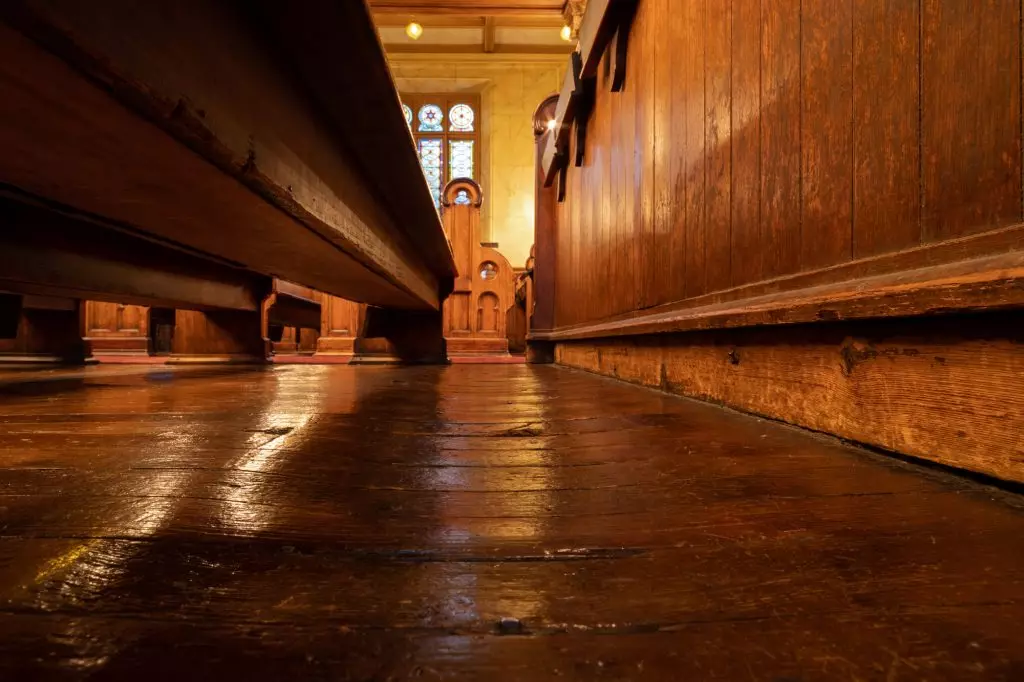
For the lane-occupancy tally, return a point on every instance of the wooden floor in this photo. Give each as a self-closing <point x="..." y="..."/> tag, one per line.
<point x="480" y="523"/>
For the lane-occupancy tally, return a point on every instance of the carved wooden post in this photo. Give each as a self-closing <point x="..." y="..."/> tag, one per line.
<point x="474" y="314"/>
<point x="542" y="315"/>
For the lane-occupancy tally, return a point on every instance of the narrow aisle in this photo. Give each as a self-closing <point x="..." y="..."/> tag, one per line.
<point x="476" y="522"/>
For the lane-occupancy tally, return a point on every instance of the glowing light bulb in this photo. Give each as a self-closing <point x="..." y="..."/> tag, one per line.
<point x="551" y="124"/>
<point x="566" y="33"/>
<point x="414" y="30"/>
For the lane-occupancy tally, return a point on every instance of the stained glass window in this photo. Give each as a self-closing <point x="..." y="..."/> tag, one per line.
<point x="430" y="119"/>
<point x="430" y="160"/>
<point x="460" y="158"/>
<point x="461" y="117"/>
<point x="446" y="132"/>
<point x="462" y="198"/>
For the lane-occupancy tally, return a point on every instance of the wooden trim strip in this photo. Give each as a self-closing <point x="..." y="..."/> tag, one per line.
<point x="983" y="272"/>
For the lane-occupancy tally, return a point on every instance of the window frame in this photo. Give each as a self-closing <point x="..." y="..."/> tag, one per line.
<point x="446" y="100"/>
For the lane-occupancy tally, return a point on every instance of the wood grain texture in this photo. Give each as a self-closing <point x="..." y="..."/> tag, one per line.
<point x="718" y="144"/>
<point x="664" y="185"/>
<point x="760" y="139"/>
<point x="677" y="178"/>
<point x="513" y="523"/>
<point x="886" y="126"/>
<point x="50" y="336"/>
<point x="746" y="142"/>
<point x="935" y="390"/>
<point x="115" y="328"/>
<point x="780" y="137"/>
<point x="971" y="116"/>
<point x="694" y="282"/>
<point x="826" y="133"/>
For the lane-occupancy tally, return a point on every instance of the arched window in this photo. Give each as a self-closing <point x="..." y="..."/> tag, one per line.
<point x="446" y="128"/>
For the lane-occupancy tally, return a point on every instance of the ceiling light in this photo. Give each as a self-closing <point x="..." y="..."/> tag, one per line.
<point x="414" y="30"/>
<point x="566" y="33"/>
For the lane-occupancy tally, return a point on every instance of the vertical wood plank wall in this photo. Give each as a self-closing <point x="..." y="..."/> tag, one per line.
<point x="762" y="138"/>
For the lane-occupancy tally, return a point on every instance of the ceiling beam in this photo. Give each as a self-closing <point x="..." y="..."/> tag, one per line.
<point x="503" y="9"/>
<point x="467" y="21"/>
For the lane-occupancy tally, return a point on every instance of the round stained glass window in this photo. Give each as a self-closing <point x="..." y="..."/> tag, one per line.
<point x="461" y="117"/>
<point x="430" y="118"/>
<point x="462" y="198"/>
<point x="488" y="270"/>
<point x="408" y="114"/>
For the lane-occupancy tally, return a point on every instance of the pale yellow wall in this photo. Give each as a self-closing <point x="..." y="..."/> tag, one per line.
<point x="511" y="88"/>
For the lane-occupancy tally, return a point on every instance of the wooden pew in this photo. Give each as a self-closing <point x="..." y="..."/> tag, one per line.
<point x="223" y="139"/>
<point x="811" y="213"/>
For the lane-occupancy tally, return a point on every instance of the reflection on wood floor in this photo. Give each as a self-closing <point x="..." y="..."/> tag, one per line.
<point x="501" y="522"/>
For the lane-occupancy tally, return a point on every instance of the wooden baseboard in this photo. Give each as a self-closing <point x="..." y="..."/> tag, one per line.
<point x="944" y="389"/>
<point x="979" y="272"/>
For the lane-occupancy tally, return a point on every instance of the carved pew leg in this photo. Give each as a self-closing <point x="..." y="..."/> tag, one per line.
<point x="414" y="337"/>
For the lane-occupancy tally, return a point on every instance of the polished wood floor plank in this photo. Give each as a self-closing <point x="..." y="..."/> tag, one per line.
<point x="469" y="522"/>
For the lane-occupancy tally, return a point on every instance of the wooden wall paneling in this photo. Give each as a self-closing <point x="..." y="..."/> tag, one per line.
<point x="746" y="141"/>
<point x="562" y="245"/>
<point x="886" y="126"/>
<point x="598" y="142"/>
<point x="662" y="68"/>
<point x="826" y="133"/>
<point x="340" y="325"/>
<point x="718" y="143"/>
<point x="46" y="333"/>
<point x="676" y="176"/>
<point x="633" y="221"/>
<point x="218" y="336"/>
<point x="643" y="52"/>
<point x="576" y="243"/>
<point x="971" y="116"/>
<point x="780" y="136"/>
<point x="288" y="345"/>
<point x="115" y="329"/>
<point x="621" y="177"/>
<point x="693" y="39"/>
<point x="590" y="254"/>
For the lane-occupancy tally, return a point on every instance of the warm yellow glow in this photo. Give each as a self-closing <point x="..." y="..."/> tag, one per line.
<point x="566" y="33"/>
<point x="552" y="124"/>
<point x="414" y="30"/>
